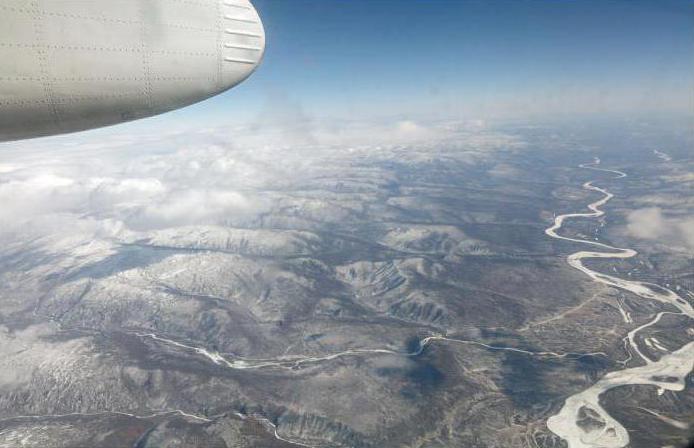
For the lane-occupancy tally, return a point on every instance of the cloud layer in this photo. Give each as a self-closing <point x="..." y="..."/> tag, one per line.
<point x="213" y="176"/>
<point x="651" y="224"/>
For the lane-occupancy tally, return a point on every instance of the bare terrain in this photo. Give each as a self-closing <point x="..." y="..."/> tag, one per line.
<point x="206" y="292"/>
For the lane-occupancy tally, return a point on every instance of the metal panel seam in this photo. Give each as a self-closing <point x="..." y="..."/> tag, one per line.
<point x="219" y="44"/>
<point x="145" y="48"/>
<point x="42" y="52"/>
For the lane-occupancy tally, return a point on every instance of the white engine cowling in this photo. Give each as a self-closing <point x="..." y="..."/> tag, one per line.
<point x="72" y="65"/>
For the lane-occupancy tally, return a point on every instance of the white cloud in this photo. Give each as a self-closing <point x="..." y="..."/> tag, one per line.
<point x="409" y="127"/>
<point x="115" y="185"/>
<point x="686" y="228"/>
<point x="651" y="224"/>
<point x="647" y="223"/>
<point x="23" y="199"/>
<point x="193" y="207"/>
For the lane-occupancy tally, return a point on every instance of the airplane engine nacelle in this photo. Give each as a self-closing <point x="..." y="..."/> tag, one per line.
<point x="71" y="65"/>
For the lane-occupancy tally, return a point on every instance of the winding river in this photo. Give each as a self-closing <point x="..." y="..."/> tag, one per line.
<point x="667" y="373"/>
<point x="296" y="362"/>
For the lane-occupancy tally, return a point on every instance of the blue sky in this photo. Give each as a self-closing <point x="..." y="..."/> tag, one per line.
<point x="465" y="59"/>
